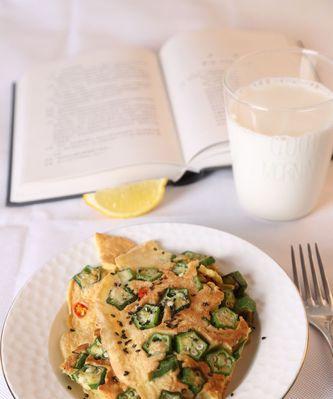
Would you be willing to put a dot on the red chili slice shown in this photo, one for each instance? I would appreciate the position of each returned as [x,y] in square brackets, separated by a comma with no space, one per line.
[80,309]
[142,292]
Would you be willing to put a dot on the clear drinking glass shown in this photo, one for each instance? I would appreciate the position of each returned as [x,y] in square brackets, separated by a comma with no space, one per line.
[279,109]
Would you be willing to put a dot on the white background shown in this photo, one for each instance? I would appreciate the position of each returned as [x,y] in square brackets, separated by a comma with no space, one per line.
[32,32]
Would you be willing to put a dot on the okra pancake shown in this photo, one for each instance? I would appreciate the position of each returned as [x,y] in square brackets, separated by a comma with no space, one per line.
[170,324]
[77,344]
[89,366]
[145,255]
[83,289]
[88,363]
[109,247]
[81,296]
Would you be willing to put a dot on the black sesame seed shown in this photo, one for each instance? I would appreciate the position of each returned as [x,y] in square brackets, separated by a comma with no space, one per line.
[138,350]
[69,387]
[72,330]
[127,342]
[126,373]
[263,338]
[134,346]
[120,323]
[113,315]
[125,350]
[115,379]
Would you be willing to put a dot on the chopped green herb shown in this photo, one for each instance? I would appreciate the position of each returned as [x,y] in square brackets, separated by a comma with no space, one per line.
[158,343]
[197,283]
[203,259]
[170,395]
[177,299]
[80,360]
[126,275]
[193,378]
[229,299]
[120,297]
[89,376]
[238,352]
[238,281]
[191,344]
[148,274]
[96,350]
[88,276]
[246,307]
[180,268]
[224,318]
[209,260]
[130,393]
[167,364]
[148,316]
[220,361]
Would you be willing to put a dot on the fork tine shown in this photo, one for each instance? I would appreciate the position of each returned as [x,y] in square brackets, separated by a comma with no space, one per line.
[327,291]
[317,293]
[307,291]
[294,268]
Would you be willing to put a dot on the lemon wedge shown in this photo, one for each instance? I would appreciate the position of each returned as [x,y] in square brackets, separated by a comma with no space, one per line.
[128,200]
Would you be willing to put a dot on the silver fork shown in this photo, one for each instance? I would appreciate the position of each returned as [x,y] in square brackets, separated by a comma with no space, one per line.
[316,293]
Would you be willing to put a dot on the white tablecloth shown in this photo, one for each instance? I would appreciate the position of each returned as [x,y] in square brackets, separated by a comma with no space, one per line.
[33,32]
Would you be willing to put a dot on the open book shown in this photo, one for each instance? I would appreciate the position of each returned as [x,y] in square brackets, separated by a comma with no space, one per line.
[126,114]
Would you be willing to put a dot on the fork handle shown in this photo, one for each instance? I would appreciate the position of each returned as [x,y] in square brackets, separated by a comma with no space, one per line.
[326,328]
[329,339]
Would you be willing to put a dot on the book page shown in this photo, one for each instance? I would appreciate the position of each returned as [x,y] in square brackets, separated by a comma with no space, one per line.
[194,65]
[92,114]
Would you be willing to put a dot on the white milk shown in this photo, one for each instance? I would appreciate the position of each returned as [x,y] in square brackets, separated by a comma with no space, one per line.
[280,155]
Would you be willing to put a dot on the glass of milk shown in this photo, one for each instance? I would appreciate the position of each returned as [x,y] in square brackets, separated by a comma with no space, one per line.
[279,109]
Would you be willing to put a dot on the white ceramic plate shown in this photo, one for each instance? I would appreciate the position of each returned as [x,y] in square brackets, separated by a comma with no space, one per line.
[30,351]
